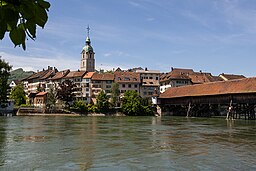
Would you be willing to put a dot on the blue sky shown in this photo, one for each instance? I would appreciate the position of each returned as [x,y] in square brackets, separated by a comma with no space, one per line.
[210,35]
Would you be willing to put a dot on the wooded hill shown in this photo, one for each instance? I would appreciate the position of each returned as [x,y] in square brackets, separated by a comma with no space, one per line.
[19,74]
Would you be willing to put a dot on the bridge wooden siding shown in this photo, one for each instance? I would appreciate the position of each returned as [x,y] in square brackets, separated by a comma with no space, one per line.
[240,94]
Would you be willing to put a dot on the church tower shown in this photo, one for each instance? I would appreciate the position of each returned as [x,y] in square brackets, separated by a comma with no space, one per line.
[87,61]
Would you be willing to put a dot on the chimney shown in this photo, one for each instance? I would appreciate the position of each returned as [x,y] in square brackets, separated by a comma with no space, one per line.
[146,69]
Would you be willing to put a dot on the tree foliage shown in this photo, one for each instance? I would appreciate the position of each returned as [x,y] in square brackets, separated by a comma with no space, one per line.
[133,104]
[65,92]
[102,102]
[18,95]
[51,97]
[115,92]
[4,74]
[21,17]
[81,106]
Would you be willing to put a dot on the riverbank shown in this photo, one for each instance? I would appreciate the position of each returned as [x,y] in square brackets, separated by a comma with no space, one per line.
[48,114]
[68,114]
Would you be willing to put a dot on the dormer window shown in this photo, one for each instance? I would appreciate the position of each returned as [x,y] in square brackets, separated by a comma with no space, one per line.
[134,79]
[119,79]
[126,79]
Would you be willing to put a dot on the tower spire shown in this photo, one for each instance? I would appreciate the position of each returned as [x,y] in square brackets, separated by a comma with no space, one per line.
[88,41]
[88,31]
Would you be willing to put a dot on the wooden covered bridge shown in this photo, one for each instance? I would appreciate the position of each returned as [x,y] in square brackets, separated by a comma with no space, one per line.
[234,99]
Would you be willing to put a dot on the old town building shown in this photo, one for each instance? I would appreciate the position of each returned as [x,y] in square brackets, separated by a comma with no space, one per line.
[150,82]
[99,82]
[127,81]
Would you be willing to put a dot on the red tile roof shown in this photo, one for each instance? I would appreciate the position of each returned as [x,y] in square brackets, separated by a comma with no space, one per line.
[103,77]
[127,77]
[38,75]
[203,77]
[41,94]
[44,74]
[177,73]
[88,75]
[246,85]
[231,76]
[60,74]
[73,74]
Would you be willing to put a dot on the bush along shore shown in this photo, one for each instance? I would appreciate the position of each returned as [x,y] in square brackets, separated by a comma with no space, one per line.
[32,111]
[131,105]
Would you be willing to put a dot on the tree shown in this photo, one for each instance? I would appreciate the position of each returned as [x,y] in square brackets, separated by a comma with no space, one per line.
[115,92]
[40,88]
[80,106]
[18,95]
[4,74]
[65,92]
[51,97]
[102,102]
[21,17]
[133,104]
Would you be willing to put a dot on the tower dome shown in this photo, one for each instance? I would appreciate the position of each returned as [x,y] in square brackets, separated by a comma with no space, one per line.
[88,47]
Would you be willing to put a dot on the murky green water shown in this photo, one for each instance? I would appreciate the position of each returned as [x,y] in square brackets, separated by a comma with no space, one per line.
[126,143]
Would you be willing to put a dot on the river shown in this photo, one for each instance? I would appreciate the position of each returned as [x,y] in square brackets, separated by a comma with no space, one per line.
[126,143]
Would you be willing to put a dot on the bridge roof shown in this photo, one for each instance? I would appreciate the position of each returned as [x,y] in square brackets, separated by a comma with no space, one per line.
[240,86]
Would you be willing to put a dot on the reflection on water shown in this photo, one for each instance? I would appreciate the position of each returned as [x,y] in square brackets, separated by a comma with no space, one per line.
[126,143]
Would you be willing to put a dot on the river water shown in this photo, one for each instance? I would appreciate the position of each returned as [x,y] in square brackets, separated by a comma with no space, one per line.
[126,143]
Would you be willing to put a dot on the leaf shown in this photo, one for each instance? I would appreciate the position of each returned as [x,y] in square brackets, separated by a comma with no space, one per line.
[11,17]
[44,4]
[3,28]
[28,10]
[3,3]
[18,35]
[31,26]
[40,16]
[24,46]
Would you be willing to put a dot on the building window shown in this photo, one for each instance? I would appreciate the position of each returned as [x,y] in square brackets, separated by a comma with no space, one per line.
[123,85]
[108,86]
[150,77]
[135,85]
[134,79]
[109,82]
[129,85]
[156,78]
[118,78]
[126,79]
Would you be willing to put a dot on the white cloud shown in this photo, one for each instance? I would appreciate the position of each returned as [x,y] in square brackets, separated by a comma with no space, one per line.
[107,54]
[38,63]
[134,3]
[150,19]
